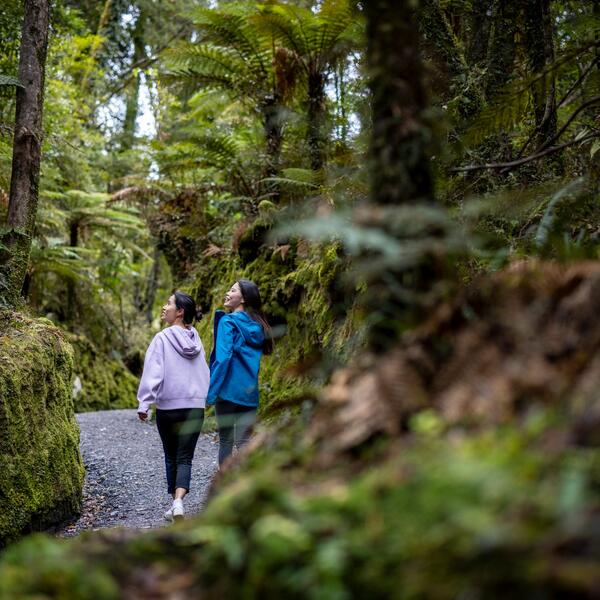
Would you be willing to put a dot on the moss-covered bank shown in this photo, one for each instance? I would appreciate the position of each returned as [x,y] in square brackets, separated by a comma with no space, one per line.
[100,383]
[41,472]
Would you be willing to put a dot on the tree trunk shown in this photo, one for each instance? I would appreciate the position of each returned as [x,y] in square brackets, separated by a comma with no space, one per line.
[480,26]
[539,42]
[502,48]
[440,36]
[27,148]
[316,119]
[133,92]
[596,13]
[271,110]
[399,164]
[152,286]
[97,45]
[272,124]
[71,287]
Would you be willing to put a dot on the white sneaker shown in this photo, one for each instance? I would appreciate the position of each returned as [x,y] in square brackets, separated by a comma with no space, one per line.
[169,515]
[177,510]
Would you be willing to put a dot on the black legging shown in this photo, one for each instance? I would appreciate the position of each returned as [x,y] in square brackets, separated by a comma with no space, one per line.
[235,423]
[179,430]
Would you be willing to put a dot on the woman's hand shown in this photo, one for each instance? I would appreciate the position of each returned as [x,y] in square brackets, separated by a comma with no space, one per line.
[142,416]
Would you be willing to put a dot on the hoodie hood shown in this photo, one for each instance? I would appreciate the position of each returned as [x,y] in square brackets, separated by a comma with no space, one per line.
[251,331]
[185,341]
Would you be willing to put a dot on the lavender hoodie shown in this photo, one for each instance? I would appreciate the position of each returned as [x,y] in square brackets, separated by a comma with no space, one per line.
[175,371]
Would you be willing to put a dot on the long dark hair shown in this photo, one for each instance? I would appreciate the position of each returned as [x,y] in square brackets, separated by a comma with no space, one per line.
[188,305]
[253,306]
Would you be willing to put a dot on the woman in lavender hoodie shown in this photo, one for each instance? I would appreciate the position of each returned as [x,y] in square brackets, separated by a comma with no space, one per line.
[176,379]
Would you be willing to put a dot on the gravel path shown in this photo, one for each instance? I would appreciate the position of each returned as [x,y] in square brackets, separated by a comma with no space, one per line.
[125,482]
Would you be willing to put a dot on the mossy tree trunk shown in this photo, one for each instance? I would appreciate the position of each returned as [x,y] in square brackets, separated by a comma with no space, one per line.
[399,165]
[502,50]
[316,115]
[272,110]
[272,124]
[479,35]
[539,44]
[27,147]
[399,162]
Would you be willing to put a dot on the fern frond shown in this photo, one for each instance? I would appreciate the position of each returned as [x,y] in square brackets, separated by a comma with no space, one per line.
[218,150]
[232,28]
[295,178]
[10,80]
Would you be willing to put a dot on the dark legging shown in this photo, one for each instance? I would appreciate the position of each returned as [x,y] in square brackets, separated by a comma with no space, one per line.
[179,430]
[235,423]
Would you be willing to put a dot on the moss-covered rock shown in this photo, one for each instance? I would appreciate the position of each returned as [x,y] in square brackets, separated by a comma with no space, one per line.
[100,383]
[41,472]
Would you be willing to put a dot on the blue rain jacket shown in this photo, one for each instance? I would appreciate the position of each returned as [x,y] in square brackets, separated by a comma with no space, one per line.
[235,359]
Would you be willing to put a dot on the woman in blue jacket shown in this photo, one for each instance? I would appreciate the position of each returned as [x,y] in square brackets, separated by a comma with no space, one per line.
[241,337]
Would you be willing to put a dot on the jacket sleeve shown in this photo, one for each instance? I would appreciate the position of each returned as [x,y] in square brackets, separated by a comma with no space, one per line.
[222,357]
[152,375]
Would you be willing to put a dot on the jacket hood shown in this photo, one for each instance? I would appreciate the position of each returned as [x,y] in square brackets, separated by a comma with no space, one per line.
[251,331]
[185,341]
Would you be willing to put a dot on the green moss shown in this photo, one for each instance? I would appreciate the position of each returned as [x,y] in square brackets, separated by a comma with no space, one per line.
[41,473]
[15,246]
[100,382]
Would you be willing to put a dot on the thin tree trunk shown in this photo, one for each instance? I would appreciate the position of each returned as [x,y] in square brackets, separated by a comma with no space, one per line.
[272,124]
[399,164]
[316,119]
[501,56]
[480,26]
[271,111]
[152,286]
[71,287]
[133,93]
[342,103]
[96,47]
[27,148]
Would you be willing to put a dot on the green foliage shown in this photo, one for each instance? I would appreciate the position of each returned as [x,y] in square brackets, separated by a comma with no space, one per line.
[56,574]
[41,469]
